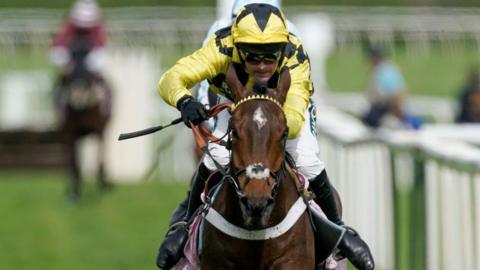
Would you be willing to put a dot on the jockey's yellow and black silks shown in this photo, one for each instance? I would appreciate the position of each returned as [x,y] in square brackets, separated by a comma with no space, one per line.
[211,62]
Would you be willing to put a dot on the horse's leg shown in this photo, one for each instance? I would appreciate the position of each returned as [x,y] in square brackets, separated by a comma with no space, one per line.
[103,183]
[74,189]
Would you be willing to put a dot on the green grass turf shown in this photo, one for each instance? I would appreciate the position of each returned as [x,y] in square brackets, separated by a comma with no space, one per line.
[39,229]
[24,58]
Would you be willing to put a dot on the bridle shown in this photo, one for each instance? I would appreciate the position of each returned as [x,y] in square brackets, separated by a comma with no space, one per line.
[216,219]
[280,173]
[233,173]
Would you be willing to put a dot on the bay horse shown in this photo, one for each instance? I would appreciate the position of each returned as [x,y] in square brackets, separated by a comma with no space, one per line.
[83,100]
[246,220]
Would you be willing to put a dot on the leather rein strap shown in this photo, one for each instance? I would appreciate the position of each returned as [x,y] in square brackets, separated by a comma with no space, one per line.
[202,135]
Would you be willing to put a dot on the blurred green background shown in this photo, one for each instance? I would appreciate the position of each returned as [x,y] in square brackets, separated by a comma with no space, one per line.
[438,72]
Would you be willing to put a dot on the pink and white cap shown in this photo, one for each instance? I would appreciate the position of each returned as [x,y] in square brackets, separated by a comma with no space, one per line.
[85,13]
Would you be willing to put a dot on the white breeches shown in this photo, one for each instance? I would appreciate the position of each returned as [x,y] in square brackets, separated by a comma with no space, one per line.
[303,149]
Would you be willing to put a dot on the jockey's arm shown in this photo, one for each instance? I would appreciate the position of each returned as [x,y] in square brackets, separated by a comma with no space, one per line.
[203,64]
[298,95]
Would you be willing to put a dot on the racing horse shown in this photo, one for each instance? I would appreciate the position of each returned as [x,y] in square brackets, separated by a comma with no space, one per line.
[256,216]
[83,100]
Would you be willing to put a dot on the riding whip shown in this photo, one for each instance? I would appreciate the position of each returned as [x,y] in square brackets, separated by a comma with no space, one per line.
[147,131]
[212,112]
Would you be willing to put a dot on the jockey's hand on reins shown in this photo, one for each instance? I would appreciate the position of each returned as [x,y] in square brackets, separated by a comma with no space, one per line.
[192,111]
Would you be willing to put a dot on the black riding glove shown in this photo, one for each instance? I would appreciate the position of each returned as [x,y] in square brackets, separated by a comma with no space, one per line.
[192,111]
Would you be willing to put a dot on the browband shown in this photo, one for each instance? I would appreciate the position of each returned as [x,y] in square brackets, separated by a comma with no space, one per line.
[252,97]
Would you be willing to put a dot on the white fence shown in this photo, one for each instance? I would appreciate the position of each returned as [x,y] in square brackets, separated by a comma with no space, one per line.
[187,25]
[437,226]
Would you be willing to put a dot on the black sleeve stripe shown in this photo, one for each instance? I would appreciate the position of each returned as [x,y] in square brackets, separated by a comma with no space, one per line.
[301,55]
[219,35]
[223,32]
[290,50]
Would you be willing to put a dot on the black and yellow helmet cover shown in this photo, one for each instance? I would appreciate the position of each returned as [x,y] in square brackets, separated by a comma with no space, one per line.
[260,24]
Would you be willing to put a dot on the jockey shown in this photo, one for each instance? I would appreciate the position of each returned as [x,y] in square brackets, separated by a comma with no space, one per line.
[81,31]
[206,97]
[258,45]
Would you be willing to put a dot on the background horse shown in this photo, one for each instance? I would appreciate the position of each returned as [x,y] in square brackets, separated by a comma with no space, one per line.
[262,190]
[83,100]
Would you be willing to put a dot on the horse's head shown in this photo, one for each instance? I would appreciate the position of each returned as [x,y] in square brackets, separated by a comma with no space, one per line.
[259,133]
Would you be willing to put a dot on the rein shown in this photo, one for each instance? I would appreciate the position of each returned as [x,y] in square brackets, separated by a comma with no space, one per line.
[200,132]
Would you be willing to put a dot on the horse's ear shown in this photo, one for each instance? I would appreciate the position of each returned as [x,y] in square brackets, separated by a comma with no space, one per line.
[283,85]
[231,78]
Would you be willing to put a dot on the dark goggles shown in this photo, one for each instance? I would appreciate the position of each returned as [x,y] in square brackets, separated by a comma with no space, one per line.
[256,58]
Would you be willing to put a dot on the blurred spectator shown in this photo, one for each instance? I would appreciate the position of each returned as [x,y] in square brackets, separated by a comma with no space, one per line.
[469,99]
[387,92]
[78,47]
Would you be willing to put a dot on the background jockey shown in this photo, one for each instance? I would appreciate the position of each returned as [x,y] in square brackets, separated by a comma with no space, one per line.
[258,46]
[81,36]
